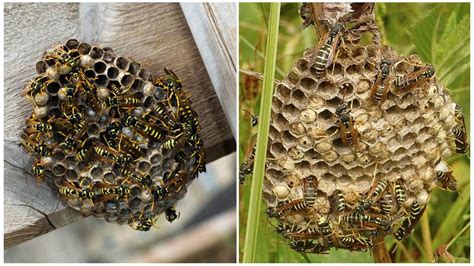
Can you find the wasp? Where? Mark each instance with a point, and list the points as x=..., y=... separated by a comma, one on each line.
x=69, y=58
x=117, y=90
x=294, y=205
x=253, y=118
x=144, y=224
x=273, y=213
x=117, y=191
x=160, y=192
x=120, y=101
x=460, y=140
x=445, y=176
x=68, y=144
x=340, y=201
x=400, y=194
x=178, y=140
x=75, y=118
x=171, y=214
x=70, y=190
x=246, y=168
x=458, y=116
x=386, y=204
x=309, y=190
x=408, y=224
x=142, y=128
x=70, y=91
x=40, y=149
x=380, y=89
x=36, y=86
x=419, y=74
x=170, y=81
x=84, y=149
x=307, y=247
x=145, y=181
x=355, y=243
x=306, y=13
x=38, y=171
x=286, y=229
x=164, y=117
x=120, y=159
x=152, y=132
x=357, y=218
x=190, y=117
x=175, y=180
x=376, y=191
x=324, y=226
x=326, y=52
x=35, y=126
x=346, y=125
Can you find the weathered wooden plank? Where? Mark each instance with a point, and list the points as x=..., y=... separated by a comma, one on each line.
x=156, y=35
x=213, y=27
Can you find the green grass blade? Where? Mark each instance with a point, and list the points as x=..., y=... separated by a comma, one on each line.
x=262, y=139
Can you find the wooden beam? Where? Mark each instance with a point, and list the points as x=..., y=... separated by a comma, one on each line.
x=155, y=35
x=214, y=27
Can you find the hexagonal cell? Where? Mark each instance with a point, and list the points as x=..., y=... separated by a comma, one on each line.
x=307, y=116
x=280, y=121
x=353, y=70
x=144, y=74
x=283, y=91
x=112, y=73
x=316, y=102
x=293, y=78
x=290, y=111
x=126, y=80
x=100, y=67
x=327, y=90
x=308, y=84
x=41, y=67
x=109, y=56
x=133, y=68
x=302, y=65
x=84, y=48
x=288, y=139
x=299, y=97
x=277, y=149
x=297, y=128
x=96, y=53
x=71, y=175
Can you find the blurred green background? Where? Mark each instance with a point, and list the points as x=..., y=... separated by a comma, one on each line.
x=440, y=34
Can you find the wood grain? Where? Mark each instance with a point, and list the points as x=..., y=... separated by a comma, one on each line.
x=214, y=29
x=156, y=35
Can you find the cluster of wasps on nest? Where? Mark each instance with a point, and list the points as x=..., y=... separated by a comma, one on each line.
x=384, y=209
x=117, y=142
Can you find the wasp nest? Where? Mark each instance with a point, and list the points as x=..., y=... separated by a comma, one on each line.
x=118, y=142
x=358, y=139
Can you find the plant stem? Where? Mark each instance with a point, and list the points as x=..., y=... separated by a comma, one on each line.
x=458, y=235
x=262, y=139
x=426, y=235
x=380, y=251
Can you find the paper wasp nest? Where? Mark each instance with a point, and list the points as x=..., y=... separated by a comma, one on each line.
x=356, y=147
x=119, y=143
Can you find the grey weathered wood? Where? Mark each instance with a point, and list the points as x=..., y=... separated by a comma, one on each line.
x=213, y=27
x=156, y=35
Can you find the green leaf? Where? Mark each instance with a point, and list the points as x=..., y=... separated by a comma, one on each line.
x=424, y=32
x=454, y=43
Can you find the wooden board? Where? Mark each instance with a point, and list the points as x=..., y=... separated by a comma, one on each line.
x=213, y=27
x=156, y=35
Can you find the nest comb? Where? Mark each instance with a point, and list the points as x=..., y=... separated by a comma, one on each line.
x=358, y=139
x=118, y=142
